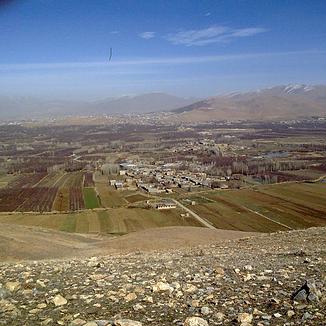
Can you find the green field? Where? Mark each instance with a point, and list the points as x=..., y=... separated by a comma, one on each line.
x=90, y=198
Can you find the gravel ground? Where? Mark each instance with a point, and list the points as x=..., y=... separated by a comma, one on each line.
x=250, y=281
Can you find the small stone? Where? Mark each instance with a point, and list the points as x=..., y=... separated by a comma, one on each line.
x=195, y=303
x=257, y=312
x=149, y=299
x=137, y=307
x=40, y=283
x=219, y=271
x=100, y=323
x=306, y=316
x=130, y=296
x=219, y=316
x=266, y=317
x=41, y=305
x=195, y=321
x=161, y=286
x=300, y=296
x=59, y=300
x=205, y=311
x=245, y=318
x=127, y=322
x=290, y=313
x=190, y=288
x=4, y=293
x=247, y=277
x=277, y=315
x=12, y=286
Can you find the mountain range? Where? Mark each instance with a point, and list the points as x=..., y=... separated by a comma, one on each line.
x=32, y=107
x=288, y=101
x=279, y=102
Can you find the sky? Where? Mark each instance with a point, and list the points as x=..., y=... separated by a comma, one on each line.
x=190, y=48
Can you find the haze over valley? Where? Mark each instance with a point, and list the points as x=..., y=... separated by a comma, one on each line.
x=280, y=102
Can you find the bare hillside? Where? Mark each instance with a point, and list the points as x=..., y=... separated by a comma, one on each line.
x=19, y=242
x=276, y=279
x=280, y=102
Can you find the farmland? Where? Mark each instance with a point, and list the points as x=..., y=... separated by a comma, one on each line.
x=248, y=176
x=264, y=209
x=90, y=198
x=109, y=197
x=110, y=221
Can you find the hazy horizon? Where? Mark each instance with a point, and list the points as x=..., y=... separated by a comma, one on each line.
x=60, y=50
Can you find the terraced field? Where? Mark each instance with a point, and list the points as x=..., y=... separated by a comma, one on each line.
x=113, y=221
x=261, y=209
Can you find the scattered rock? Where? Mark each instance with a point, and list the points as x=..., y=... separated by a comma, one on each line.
x=245, y=318
x=290, y=313
x=59, y=300
x=161, y=286
x=205, y=311
x=307, y=292
x=195, y=321
x=130, y=297
x=12, y=286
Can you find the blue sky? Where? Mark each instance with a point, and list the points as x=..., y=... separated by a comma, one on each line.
x=60, y=48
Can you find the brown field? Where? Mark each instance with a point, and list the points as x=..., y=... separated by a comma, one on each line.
x=63, y=201
x=51, y=180
x=266, y=208
x=261, y=209
x=136, y=198
x=125, y=220
x=110, y=197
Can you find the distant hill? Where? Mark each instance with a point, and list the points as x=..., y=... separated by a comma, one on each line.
x=29, y=107
x=152, y=102
x=289, y=102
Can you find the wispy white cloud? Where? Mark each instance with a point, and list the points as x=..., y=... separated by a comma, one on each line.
x=147, y=35
x=212, y=34
x=155, y=61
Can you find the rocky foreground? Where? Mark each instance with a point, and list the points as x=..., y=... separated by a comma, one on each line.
x=276, y=279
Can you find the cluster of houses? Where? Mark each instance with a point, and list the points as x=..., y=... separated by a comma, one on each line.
x=162, y=178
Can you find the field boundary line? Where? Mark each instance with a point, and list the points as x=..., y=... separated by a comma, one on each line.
x=59, y=179
x=196, y=216
x=261, y=215
x=266, y=217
